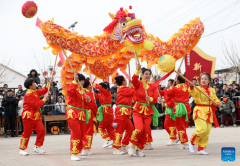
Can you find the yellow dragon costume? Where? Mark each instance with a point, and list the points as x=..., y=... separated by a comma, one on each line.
x=116, y=46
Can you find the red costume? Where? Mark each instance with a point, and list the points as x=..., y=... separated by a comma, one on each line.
x=123, y=114
x=31, y=117
x=181, y=109
x=142, y=114
x=88, y=129
x=105, y=98
x=76, y=116
x=169, y=124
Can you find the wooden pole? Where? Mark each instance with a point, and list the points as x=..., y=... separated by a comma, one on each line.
x=94, y=80
x=91, y=82
x=182, y=62
x=52, y=74
x=73, y=71
x=144, y=85
x=158, y=89
x=196, y=87
x=129, y=73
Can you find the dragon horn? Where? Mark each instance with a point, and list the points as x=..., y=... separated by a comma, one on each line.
x=112, y=15
x=126, y=11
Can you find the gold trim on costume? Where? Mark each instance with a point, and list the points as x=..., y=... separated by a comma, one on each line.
x=74, y=82
x=181, y=132
x=105, y=109
x=74, y=144
x=70, y=114
x=37, y=115
x=101, y=133
x=144, y=109
x=123, y=111
x=23, y=141
x=117, y=141
x=134, y=133
x=79, y=90
x=89, y=138
x=81, y=115
x=26, y=113
x=172, y=131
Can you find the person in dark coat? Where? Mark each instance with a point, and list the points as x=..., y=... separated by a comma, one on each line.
x=228, y=109
x=160, y=109
x=34, y=74
x=219, y=92
x=9, y=103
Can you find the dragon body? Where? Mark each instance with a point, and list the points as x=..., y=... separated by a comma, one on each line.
x=121, y=39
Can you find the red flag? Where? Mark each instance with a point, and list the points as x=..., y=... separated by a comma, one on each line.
x=198, y=62
x=156, y=84
x=38, y=23
x=126, y=74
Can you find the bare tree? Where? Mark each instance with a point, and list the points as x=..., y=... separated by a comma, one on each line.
x=44, y=63
x=232, y=59
x=4, y=69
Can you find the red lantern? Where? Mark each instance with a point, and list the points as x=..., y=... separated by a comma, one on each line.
x=29, y=9
x=53, y=73
x=45, y=73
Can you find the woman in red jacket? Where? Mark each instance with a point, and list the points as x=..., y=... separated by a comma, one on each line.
x=122, y=113
x=142, y=110
x=77, y=115
x=105, y=127
x=31, y=116
x=88, y=129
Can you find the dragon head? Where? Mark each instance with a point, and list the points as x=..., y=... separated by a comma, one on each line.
x=125, y=26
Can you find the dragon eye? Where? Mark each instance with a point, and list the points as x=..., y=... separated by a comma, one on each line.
x=124, y=24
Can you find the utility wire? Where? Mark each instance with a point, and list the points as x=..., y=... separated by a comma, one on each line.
x=214, y=23
x=220, y=11
x=221, y=30
x=170, y=13
x=173, y=21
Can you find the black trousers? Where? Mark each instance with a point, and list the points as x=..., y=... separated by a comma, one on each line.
x=11, y=118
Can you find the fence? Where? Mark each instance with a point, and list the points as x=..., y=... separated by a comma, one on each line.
x=54, y=109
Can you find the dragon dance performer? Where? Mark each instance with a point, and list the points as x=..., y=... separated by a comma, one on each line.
x=105, y=111
x=123, y=114
x=31, y=116
x=77, y=115
x=142, y=111
x=181, y=109
x=169, y=124
x=88, y=129
x=203, y=114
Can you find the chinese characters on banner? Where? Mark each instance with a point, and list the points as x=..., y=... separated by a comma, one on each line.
x=197, y=62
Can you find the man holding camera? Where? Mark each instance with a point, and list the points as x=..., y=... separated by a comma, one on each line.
x=10, y=104
x=227, y=109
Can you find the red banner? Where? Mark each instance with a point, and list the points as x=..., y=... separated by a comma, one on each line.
x=197, y=62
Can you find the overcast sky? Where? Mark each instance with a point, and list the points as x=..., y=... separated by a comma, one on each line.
x=21, y=39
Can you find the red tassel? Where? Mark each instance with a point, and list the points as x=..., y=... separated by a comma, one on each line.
x=130, y=7
x=111, y=26
x=121, y=8
x=155, y=84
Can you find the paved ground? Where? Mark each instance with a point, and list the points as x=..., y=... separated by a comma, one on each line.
x=57, y=148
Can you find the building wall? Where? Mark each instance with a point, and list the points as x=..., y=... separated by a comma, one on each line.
x=11, y=77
